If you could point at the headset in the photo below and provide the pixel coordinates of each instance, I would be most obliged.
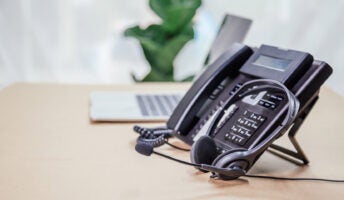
(204, 152)
(240, 160)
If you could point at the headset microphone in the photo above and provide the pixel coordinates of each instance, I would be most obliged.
(147, 150)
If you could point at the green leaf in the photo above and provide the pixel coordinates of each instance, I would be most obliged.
(175, 13)
(178, 18)
(160, 7)
(168, 53)
(160, 55)
(155, 76)
(161, 43)
(152, 37)
(152, 40)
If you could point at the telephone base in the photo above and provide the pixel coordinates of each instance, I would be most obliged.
(296, 156)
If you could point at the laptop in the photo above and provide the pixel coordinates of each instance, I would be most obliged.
(131, 107)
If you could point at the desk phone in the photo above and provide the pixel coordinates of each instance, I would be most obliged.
(239, 64)
(243, 102)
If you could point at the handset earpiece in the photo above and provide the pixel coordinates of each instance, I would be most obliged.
(239, 165)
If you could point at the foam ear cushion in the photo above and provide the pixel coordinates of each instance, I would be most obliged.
(226, 158)
(203, 151)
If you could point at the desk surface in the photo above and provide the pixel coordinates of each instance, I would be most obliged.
(50, 150)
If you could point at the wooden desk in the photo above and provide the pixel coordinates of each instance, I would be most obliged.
(50, 150)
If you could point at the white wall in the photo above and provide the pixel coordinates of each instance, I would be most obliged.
(81, 41)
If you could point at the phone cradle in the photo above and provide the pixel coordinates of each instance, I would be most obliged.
(296, 156)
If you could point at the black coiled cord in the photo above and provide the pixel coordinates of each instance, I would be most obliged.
(155, 137)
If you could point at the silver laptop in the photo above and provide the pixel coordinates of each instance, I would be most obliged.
(129, 106)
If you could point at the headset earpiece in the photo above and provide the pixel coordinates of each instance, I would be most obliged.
(232, 159)
(203, 151)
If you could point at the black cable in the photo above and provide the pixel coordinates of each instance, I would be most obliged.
(180, 161)
(156, 136)
(153, 136)
(176, 147)
(294, 179)
(258, 176)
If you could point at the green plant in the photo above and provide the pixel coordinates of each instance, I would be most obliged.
(162, 42)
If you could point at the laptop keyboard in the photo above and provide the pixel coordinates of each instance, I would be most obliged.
(157, 105)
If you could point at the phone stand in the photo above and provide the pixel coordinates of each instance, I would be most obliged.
(296, 156)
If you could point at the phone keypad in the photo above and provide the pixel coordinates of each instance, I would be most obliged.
(244, 127)
(270, 101)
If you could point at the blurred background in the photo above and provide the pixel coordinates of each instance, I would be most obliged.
(81, 41)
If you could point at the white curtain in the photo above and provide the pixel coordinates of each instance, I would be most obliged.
(80, 41)
(68, 41)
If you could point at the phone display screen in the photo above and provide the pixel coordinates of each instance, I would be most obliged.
(272, 63)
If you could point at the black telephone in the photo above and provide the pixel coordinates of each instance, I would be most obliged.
(239, 64)
(240, 104)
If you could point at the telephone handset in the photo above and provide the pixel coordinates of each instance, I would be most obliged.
(246, 123)
(207, 86)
